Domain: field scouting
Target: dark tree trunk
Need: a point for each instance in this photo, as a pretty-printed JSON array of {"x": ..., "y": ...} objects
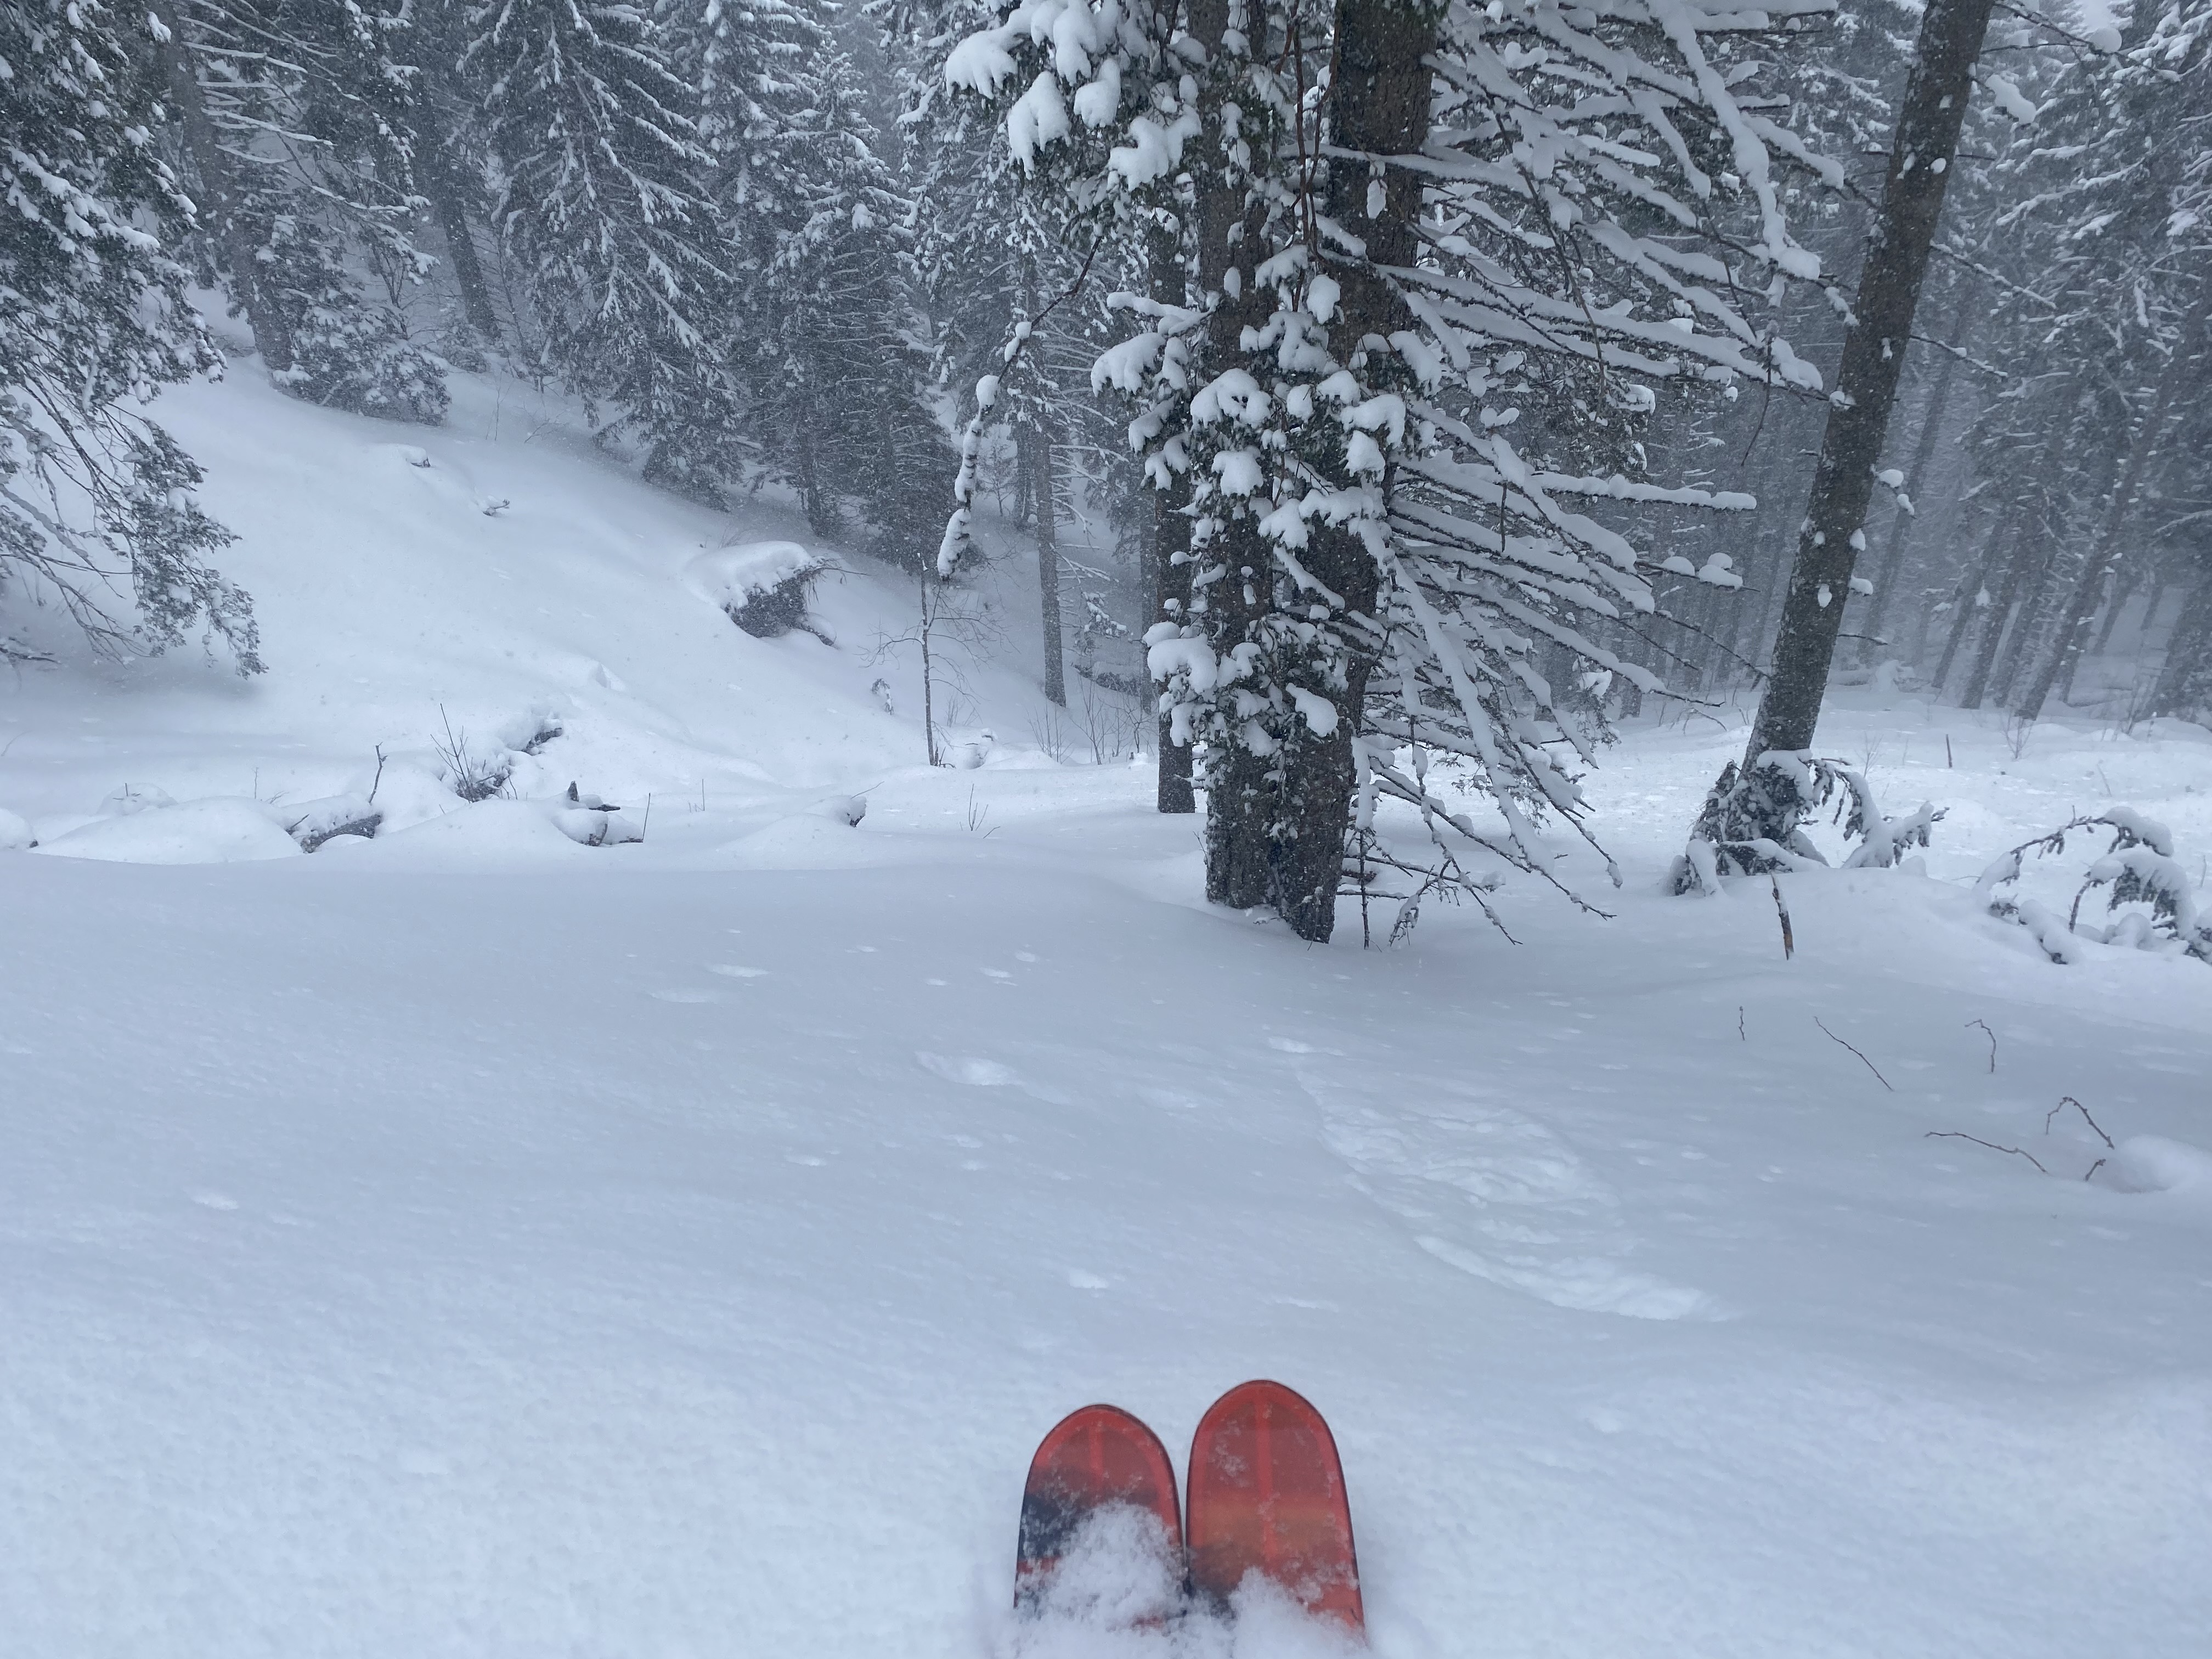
[
  {"x": 2115, "y": 606},
  {"x": 434, "y": 168},
  {"x": 1379, "y": 88},
  {"x": 1975, "y": 582},
  {"x": 1044, "y": 483},
  {"x": 218, "y": 192},
  {"x": 2019, "y": 559},
  {"x": 2074, "y": 621},
  {"x": 1927, "y": 136},
  {"x": 2030, "y": 623},
  {"x": 1240, "y": 786},
  {"x": 1170, "y": 549}
]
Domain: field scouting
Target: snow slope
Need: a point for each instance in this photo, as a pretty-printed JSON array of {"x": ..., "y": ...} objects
[{"x": 472, "y": 1244}]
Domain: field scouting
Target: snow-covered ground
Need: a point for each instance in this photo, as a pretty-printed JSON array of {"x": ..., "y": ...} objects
[{"x": 470, "y": 1243}]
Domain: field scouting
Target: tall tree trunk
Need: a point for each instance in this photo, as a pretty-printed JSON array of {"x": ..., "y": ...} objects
[
  {"x": 1378, "y": 107},
  {"x": 1171, "y": 548},
  {"x": 1045, "y": 488},
  {"x": 1974, "y": 583},
  {"x": 2186, "y": 651},
  {"x": 2030, "y": 623},
  {"x": 2020, "y": 559},
  {"x": 1920, "y": 155},
  {"x": 2114, "y": 606},
  {"x": 1923, "y": 456},
  {"x": 2072, "y": 622},
  {"x": 434, "y": 168},
  {"x": 1239, "y": 784},
  {"x": 219, "y": 192}
]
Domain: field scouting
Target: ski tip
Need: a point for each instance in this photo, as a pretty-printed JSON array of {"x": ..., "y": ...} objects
[
  {"x": 1092, "y": 1458},
  {"x": 1267, "y": 1496}
]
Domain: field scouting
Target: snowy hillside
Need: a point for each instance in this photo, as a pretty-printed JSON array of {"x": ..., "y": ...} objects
[
  {"x": 468, "y": 1242},
  {"x": 484, "y": 581}
]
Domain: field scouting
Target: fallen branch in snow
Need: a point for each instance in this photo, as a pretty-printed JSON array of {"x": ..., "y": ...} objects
[
  {"x": 1789, "y": 941},
  {"x": 1961, "y": 1134},
  {"x": 2064, "y": 1101},
  {"x": 1868, "y": 1064}
]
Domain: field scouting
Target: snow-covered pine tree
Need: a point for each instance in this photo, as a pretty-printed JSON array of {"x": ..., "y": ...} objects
[
  {"x": 996, "y": 261},
  {"x": 2123, "y": 218},
  {"x": 821, "y": 329},
  {"x": 95, "y": 499},
  {"x": 295, "y": 130},
  {"x": 605, "y": 208},
  {"x": 1595, "y": 204},
  {"x": 450, "y": 152}
]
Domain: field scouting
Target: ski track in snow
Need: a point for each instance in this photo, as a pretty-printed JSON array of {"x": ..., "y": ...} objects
[{"x": 1494, "y": 1193}]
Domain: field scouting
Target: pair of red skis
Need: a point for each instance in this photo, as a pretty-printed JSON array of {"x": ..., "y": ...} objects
[{"x": 1266, "y": 1496}]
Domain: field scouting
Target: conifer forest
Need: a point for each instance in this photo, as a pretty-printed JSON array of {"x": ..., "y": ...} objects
[{"x": 744, "y": 742}]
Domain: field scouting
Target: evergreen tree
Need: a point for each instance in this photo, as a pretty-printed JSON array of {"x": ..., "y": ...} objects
[
  {"x": 294, "y": 125},
  {"x": 606, "y": 211},
  {"x": 822, "y": 241},
  {"x": 1381, "y": 569},
  {"x": 96, "y": 497}
]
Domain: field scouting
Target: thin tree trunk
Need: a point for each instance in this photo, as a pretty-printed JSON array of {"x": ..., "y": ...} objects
[
  {"x": 1170, "y": 551},
  {"x": 1975, "y": 582},
  {"x": 2030, "y": 624},
  {"x": 2185, "y": 653},
  {"x": 2074, "y": 621},
  {"x": 1927, "y": 137},
  {"x": 2017, "y": 564},
  {"x": 2113, "y": 608},
  {"x": 219, "y": 186},
  {"x": 434, "y": 168},
  {"x": 1923, "y": 456},
  {"x": 1045, "y": 487}
]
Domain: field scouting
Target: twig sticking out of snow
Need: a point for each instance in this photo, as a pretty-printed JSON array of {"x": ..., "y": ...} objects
[
  {"x": 1993, "y": 1043},
  {"x": 1961, "y": 1134},
  {"x": 1789, "y": 940},
  {"x": 1868, "y": 1064},
  {"x": 2064, "y": 1101}
]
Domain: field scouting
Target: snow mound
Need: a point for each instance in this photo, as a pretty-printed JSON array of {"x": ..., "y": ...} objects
[
  {"x": 734, "y": 576},
  {"x": 2152, "y": 1164},
  {"x": 485, "y": 835},
  {"x": 1117, "y": 1594},
  {"x": 14, "y": 832},
  {"x": 218, "y": 830}
]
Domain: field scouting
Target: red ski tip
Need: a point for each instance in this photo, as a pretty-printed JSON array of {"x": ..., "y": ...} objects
[
  {"x": 1267, "y": 1495},
  {"x": 1092, "y": 1458}
]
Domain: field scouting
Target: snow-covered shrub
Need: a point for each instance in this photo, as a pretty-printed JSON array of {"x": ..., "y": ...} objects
[
  {"x": 762, "y": 587},
  {"x": 1783, "y": 788},
  {"x": 471, "y": 774},
  {"x": 2137, "y": 869}
]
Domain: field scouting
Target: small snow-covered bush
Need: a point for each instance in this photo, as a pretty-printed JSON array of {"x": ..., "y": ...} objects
[
  {"x": 472, "y": 773},
  {"x": 762, "y": 587},
  {"x": 1785, "y": 788},
  {"x": 2152, "y": 901}
]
